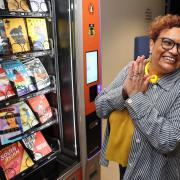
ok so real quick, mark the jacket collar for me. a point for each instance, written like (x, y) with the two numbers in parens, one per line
(168, 80)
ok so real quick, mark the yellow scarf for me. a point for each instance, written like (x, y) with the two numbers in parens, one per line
(121, 131)
(154, 78)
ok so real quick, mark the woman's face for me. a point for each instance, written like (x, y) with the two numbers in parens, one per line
(165, 61)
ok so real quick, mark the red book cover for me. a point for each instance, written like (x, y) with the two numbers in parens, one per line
(6, 89)
(40, 105)
(37, 144)
(14, 159)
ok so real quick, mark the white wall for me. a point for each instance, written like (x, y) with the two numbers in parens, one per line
(121, 21)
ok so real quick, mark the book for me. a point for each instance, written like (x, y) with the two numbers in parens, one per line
(10, 124)
(15, 29)
(37, 145)
(6, 89)
(38, 5)
(4, 44)
(38, 72)
(28, 118)
(37, 31)
(18, 5)
(41, 107)
(18, 74)
(14, 160)
(2, 6)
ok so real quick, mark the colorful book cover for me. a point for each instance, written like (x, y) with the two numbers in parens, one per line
(28, 119)
(18, 5)
(14, 160)
(37, 31)
(41, 107)
(2, 6)
(39, 73)
(37, 144)
(6, 89)
(10, 124)
(18, 74)
(38, 5)
(4, 44)
(15, 29)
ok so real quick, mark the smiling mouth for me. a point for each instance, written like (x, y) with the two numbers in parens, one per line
(169, 59)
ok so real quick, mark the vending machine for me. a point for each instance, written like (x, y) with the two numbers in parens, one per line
(49, 77)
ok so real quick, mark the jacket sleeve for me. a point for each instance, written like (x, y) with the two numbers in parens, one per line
(110, 98)
(163, 132)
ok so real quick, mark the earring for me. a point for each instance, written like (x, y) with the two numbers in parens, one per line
(150, 55)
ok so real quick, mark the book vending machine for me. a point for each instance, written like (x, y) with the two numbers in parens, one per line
(48, 126)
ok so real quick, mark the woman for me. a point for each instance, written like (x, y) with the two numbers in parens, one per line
(153, 103)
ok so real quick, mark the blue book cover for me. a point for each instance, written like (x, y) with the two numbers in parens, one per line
(18, 74)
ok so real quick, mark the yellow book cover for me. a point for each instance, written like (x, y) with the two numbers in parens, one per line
(16, 32)
(27, 116)
(18, 5)
(37, 31)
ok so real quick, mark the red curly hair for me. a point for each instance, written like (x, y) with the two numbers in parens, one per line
(163, 22)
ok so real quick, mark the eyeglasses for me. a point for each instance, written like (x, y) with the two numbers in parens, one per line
(168, 44)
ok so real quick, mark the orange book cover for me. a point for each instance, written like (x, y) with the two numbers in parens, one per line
(37, 31)
(18, 5)
(14, 159)
(41, 107)
(16, 32)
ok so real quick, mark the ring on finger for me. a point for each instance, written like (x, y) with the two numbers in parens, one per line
(135, 75)
(130, 77)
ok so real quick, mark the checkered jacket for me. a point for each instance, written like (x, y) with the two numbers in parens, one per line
(155, 150)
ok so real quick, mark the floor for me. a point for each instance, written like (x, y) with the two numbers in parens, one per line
(112, 171)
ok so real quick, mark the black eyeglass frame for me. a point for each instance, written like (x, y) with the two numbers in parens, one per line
(173, 44)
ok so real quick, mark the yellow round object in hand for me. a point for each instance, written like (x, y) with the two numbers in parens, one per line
(146, 68)
(154, 78)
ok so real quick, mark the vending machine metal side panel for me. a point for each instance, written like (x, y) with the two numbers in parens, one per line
(66, 60)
